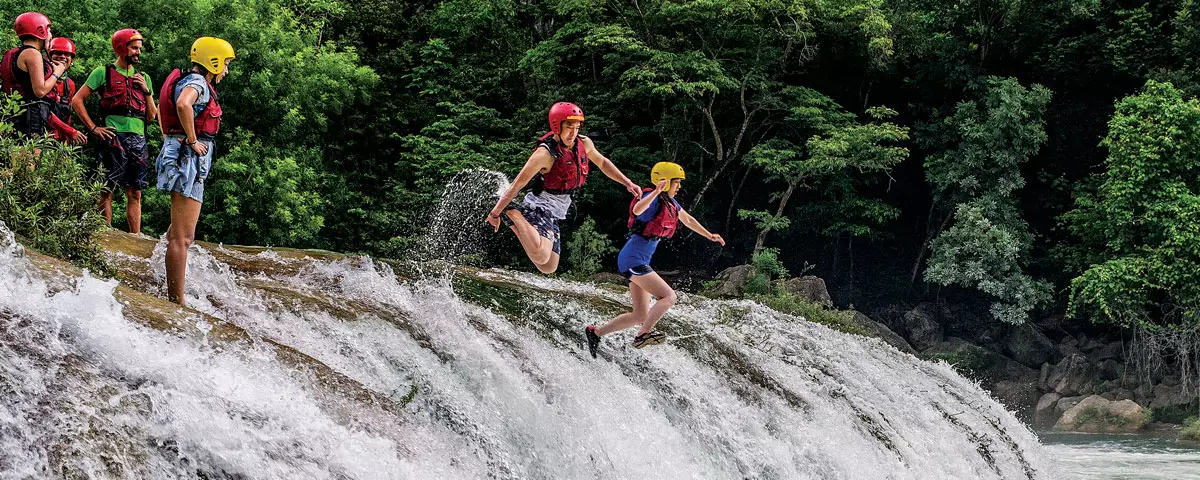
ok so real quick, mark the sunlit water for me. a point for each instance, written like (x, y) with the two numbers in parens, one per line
(504, 387)
(1123, 457)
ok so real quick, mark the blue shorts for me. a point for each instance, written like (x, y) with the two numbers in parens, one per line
(126, 161)
(181, 170)
(637, 270)
(546, 225)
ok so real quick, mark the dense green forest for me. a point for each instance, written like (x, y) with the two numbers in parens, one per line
(1027, 157)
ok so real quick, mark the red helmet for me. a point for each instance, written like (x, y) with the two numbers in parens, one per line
(121, 39)
(62, 44)
(32, 23)
(561, 112)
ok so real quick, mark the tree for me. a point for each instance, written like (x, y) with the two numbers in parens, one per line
(820, 140)
(1140, 240)
(988, 242)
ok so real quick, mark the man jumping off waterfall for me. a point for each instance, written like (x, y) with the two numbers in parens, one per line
(652, 218)
(558, 167)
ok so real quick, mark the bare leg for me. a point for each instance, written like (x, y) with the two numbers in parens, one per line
(185, 213)
(658, 287)
(133, 210)
(106, 198)
(539, 249)
(641, 306)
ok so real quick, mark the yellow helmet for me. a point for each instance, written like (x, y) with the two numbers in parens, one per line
(666, 171)
(211, 52)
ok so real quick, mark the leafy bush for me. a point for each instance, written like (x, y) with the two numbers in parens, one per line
(767, 267)
(52, 206)
(587, 248)
(1191, 430)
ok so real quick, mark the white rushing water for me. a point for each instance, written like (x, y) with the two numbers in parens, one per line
(501, 386)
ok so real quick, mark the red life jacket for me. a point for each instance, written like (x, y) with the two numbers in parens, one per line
(570, 168)
(64, 90)
(118, 96)
(15, 80)
(207, 123)
(664, 223)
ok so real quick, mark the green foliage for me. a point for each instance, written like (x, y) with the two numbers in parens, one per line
(587, 249)
(52, 206)
(1191, 430)
(840, 320)
(767, 268)
(988, 244)
(1140, 241)
(1101, 416)
(265, 195)
(823, 144)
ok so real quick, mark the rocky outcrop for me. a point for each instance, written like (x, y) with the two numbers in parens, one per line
(922, 326)
(883, 332)
(1095, 414)
(808, 287)
(1029, 346)
(1044, 414)
(1072, 376)
(731, 282)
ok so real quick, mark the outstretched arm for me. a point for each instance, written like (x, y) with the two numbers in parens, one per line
(695, 226)
(609, 168)
(540, 160)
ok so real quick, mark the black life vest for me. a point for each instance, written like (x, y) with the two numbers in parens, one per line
(118, 96)
(570, 168)
(664, 223)
(64, 90)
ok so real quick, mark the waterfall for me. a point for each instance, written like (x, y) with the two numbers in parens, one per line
(315, 365)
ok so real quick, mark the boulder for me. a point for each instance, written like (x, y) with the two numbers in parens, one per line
(984, 365)
(1044, 377)
(921, 325)
(1107, 351)
(1109, 369)
(1044, 413)
(1119, 394)
(1072, 376)
(807, 287)
(1066, 403)
(731, 282)
(1020, 396)
(883, 332)
(1170, 396)
(1095, 414)
(1028, 346)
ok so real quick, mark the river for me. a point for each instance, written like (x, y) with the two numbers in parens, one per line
(1123, 457)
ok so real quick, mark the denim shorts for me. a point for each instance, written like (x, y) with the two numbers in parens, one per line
(181, 170)
(545, 223)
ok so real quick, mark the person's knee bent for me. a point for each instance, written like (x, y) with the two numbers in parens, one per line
(669, 298)
(548, 267)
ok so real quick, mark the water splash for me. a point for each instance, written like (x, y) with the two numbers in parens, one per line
(457, 230)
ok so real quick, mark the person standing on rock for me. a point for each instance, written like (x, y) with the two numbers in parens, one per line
(652, 218)
(126, 104)
(190, 120)
(558, 167)
(26, 72)
(62, 51)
